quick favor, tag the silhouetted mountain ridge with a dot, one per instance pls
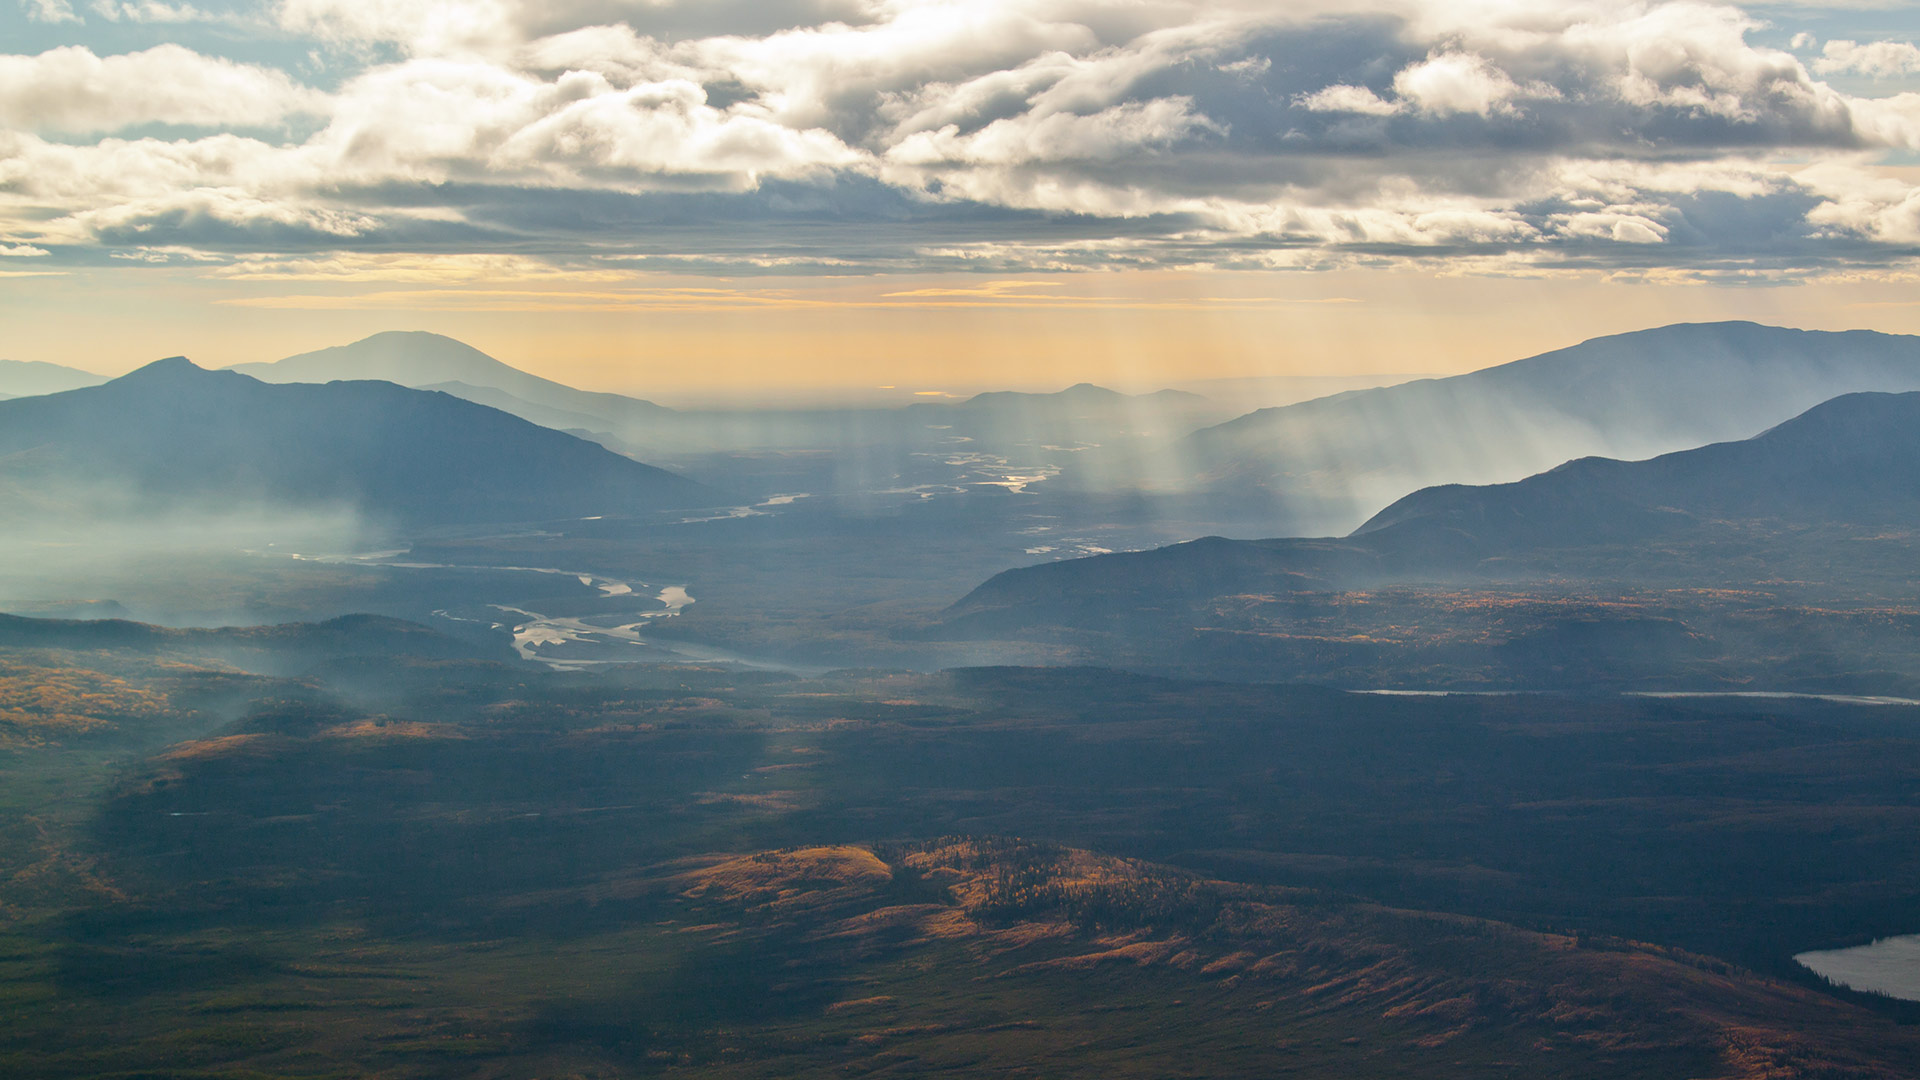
(1626, 396)
(423, 360)
(27, 378)
(172, 433)
(1853, 460)
(1079, 395)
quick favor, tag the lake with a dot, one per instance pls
(1890, 966)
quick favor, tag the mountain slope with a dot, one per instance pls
(26, 378)
(171, 433)
(1629, 396)
(423, 360)
(545, 416)
(1854, 460)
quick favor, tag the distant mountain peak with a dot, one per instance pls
(415, 339)
(1854, 458)
(173, 433)
(173, 368)
(178, 374)
(1078, 393)
(422, 359)
(171, 363)
(31, 378)
(1629, 396)
(386, 335)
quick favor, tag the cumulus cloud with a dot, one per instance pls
(1879, 59)
(909, 134)
(72, 90)
(1455, 82)
(1342, 98)
(1445, 83)
(440, 120)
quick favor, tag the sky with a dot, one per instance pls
(682, 196)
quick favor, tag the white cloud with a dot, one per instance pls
(667, 130)
(69, 89)
(1348, 99)
(1445, 83)
(1892, 122)
(425, 27)
(1455, 82)
(427, 269)
(1112, 133)
(1182, 132)
(152, 11)
(442, 119)
(1619, 228)
(1880, 59)
(50, 11)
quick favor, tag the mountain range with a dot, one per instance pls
(173, 434)
(428, 361)
(26, 378)
(1078, 400)
(1853, 461)
(1080, 414)
(1626, 396)
(1333, 461)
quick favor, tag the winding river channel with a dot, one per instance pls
(607, 628)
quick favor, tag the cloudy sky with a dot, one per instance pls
(675, 193)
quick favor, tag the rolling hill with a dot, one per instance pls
(1628, 396)
(173, 434)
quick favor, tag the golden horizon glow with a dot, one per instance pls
(712, 338)
(684, 200)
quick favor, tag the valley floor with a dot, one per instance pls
(414, 867)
